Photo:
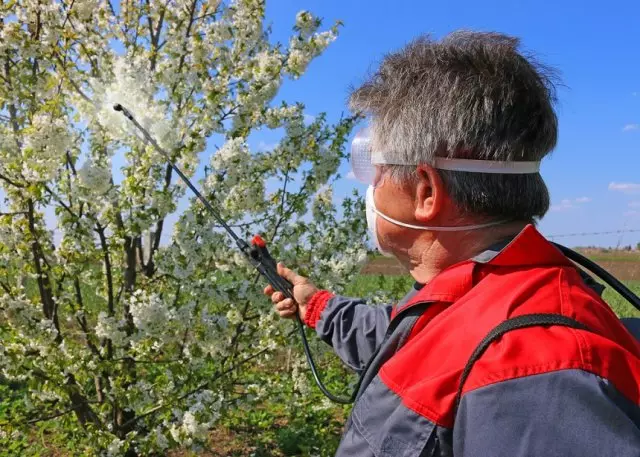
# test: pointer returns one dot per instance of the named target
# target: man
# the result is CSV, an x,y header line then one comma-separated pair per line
x,y
457,132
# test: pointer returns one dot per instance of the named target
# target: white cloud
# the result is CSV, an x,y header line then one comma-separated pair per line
x,y
631,127
632,213
635,94
564,205
626,187
309,118
568,204
635,204
351,175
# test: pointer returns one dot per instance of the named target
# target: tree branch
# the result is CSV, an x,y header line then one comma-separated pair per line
x,y
108,271
157,235
53,416
11,182
82,408
35,64
187,35
82,321
6,288
283,199
44,284
68,12
55,196
196,389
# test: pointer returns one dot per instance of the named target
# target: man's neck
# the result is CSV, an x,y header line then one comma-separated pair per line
x,y
437,251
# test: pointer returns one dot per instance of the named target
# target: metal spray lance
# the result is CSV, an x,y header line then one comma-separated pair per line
x,y
257,253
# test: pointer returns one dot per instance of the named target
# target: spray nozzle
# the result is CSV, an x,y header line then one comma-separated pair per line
x,y
118,107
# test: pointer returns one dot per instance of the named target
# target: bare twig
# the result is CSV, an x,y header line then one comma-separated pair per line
x,y
11,182
157,235
283,200
68,12
53,416
44,285
6,288
58,199
82,321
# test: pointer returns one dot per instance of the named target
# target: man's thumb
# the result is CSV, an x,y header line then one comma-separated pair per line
x,y
287,274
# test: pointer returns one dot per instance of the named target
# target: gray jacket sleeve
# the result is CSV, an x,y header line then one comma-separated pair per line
x,y
353,328
562,413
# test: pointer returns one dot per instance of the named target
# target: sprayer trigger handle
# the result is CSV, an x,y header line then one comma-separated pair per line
x,y
268,266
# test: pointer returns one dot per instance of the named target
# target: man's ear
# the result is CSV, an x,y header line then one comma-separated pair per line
x,y
429,193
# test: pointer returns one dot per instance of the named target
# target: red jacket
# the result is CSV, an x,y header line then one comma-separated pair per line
x,y
535,391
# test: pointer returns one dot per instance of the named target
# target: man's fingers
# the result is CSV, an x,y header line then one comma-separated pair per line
x,y
287,313
286,306
268,290
277,297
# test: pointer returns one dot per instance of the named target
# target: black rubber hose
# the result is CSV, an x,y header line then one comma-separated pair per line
x,y
602,274
314,370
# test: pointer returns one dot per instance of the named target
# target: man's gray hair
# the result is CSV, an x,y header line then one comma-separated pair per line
x,y
474,96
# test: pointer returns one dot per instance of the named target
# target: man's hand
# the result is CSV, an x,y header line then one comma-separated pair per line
x,y
303,290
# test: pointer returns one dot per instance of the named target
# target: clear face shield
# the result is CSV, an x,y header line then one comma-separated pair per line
x,y
364,160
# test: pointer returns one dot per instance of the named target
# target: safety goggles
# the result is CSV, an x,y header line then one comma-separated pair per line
x,y
364,161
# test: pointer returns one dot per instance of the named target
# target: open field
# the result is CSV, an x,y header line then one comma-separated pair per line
x,y
624,265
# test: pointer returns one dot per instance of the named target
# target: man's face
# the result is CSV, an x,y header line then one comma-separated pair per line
x,y
420,201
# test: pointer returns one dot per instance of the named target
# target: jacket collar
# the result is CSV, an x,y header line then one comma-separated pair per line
x,y
527,248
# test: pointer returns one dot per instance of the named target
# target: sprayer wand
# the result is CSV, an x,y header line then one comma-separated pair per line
x,y
258,255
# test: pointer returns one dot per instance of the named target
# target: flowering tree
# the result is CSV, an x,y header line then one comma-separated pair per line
x,y
128,342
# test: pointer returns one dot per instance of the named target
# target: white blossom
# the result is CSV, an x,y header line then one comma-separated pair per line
x,y
233,153
95,177
131,87
45,146
108,327
192,427
306,22
115,447
149,312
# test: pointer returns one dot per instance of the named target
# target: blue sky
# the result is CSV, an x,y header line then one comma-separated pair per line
x,y
594,173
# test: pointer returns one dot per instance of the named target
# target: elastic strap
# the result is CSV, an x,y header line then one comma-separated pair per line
x,y
470,165
527,320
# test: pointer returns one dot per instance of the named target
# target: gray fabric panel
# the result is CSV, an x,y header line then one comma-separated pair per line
x,y
390,345
382,426
355,329
564,413
633,325
492,251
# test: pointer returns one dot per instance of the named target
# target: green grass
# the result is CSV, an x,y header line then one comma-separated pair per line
x,y
615,256
621,306
364,285
399,285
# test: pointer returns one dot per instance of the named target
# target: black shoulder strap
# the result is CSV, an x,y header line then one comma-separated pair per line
x,y
526,320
